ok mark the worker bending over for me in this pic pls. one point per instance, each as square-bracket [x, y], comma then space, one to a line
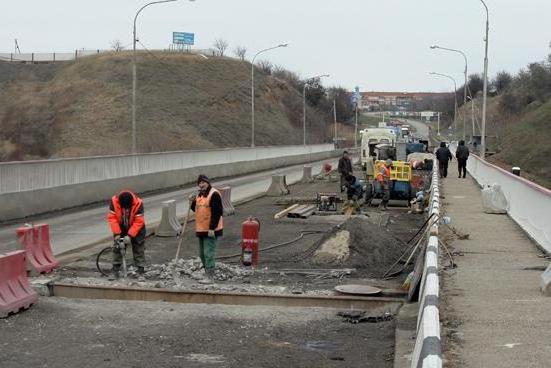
[126, 219]
[209, 223]
[383, 178]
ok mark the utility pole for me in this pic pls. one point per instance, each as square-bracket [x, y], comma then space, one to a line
[485, 89]
[335, 118]
[356, 128]
[438, 126]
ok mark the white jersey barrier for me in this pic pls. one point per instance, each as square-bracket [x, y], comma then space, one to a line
[34, 187]
[428, 347]
[529, 203]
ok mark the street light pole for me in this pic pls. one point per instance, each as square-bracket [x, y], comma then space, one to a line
[472, 117]
[134, 81]
[454, 95]
[304, 104]
[335, 118]
[465, 72]
[485, 89]
[252, 87]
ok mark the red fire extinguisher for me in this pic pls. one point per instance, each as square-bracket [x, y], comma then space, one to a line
[249, 241]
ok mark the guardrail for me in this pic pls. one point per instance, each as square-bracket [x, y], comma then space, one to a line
[32, 175]
[52, 57]
[428, 347]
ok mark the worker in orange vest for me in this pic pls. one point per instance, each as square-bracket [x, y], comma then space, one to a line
[126, 219]
[209, 223]
[383, 177]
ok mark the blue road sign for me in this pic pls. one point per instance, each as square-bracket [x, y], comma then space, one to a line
[183, 38]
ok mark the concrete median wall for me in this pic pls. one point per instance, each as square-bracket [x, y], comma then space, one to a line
[30, 188]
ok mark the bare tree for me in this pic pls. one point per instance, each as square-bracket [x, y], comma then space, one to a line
[117, 45]
[240, 52]
[265, 66]
[221, 46]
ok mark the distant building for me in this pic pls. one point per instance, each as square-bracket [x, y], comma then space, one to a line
[400, 101]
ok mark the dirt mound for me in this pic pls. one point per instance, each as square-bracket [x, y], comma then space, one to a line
[359, 244]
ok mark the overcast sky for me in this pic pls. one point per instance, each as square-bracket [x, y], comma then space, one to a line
[373, 44]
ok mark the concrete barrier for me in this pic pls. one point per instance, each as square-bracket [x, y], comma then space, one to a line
[169, 225]
[428, 346]
[278, 186]
[42, 186]
[307, 174]
[225, 193]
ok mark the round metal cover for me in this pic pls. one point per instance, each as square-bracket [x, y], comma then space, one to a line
[357, 289]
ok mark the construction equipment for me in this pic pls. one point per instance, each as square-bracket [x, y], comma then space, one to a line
[327, 201]
[105, 256]
[400, 184]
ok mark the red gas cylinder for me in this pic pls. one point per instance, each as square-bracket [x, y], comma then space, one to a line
[249, 241]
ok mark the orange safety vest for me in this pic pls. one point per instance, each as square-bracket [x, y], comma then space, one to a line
[383, 174]
[114, 217]
[203, 213]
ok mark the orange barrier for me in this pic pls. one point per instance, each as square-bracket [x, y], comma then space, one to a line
[36, 241]
[16, 292]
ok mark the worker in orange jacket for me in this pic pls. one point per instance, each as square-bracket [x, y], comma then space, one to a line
[126, 219]
[383, 177]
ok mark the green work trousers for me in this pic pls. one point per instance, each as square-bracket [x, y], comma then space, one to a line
[138, 252]
[207, 251]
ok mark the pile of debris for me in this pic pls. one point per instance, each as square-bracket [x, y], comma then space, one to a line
[359, 244]
[194, 269]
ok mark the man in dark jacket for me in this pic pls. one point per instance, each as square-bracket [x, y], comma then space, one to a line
[344, 168]
[462, 154]
[444, 156]
[209, 223]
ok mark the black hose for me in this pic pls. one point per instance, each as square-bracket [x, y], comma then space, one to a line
[98, 259]
[420, 229]
[302, 234]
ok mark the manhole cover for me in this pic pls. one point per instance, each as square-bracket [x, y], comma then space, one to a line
[357, 289]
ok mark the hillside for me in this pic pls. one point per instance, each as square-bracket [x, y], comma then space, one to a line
[184, 102]
[520, 139]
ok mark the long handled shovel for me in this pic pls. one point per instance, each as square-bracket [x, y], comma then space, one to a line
[182, 234]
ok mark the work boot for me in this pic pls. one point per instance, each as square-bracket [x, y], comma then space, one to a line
[140, 271]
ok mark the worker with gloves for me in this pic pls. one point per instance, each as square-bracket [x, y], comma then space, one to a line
[126, 219]
[209, 224]
[383, 178]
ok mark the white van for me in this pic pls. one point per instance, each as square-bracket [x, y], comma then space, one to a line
[372, 137]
